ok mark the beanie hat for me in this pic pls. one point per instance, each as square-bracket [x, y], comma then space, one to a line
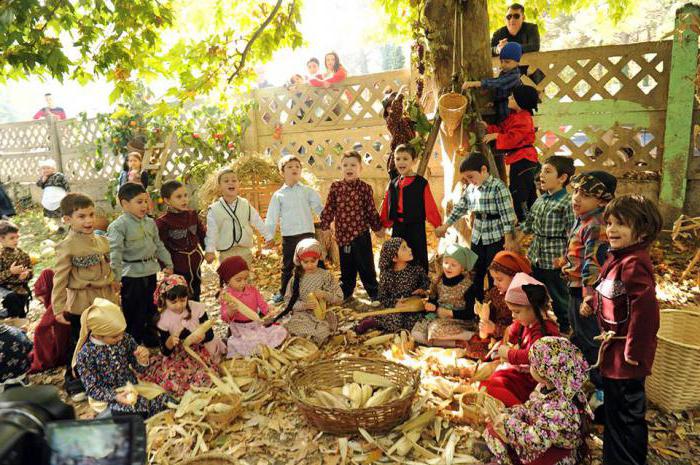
[526, 97]
[473, 162]
[48, 163]
[230, 268]
[510, 263]
[599, 184]
[462, 255]
[515, 293]
[511, 51]
[307, 248]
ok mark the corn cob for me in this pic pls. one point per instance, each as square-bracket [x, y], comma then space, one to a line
[197, 333]
[380, 397]
[372, 379]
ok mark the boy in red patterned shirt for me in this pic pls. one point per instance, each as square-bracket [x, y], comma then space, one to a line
[350, 205]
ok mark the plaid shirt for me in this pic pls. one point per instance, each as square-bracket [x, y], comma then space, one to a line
[550, 220]
[588, 248]
[491, 197]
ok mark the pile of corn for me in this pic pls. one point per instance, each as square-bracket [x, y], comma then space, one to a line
[367, 390]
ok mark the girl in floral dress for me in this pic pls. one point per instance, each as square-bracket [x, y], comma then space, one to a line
[551, 427]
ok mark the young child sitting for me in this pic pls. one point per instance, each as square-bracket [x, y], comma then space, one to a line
[451, 298]
[399, 278]
[244, 335]
[15, 360]
[628, 315]
[15, 273]
[54, 186]
[309, 278]
[408, 204]
[179, 317]
[552, 426]
[182, 233]
[532, 319]
[106, 357]
[51, 338]
[132, 170]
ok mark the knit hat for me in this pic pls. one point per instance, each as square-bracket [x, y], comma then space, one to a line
[165, 285]
[102, 318]
[462, 255]
[511, 51]
[515, 293]
[307, 248]
[43, 287]
[389, 250]
[526, 97]
[599, 184]
[48, 163]
[230, 268]
[510, 263]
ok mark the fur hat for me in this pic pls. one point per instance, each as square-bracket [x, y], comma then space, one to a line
[230, 268]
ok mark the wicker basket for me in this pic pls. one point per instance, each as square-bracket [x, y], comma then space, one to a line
[238, 367]
[211, 458]
[451, 108]
[335, 373]
[675, 381]
[225, 418]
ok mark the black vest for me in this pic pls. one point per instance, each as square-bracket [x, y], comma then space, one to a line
[413, 204]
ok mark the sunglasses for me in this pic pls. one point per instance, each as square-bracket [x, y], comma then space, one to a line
[513, 16]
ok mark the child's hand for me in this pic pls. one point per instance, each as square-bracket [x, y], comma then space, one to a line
[429, 307]
[197, 339]
[441, 230]
[422, 292]
[24, 275]
[61, 318]
[586, 310]
[322, 295]
[142, 355]
[444, 313]
[167, 271]
[631, 362]
[503, 351]
[470, 84]
[172, 342]
[209, 257]
[483, 124]
[487, 327]
[122, 398]
[16, 269]
[489, 137]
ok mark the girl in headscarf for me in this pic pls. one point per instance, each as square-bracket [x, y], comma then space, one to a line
[552, 426]
[51, 338]
[14, 355]
[106, 357]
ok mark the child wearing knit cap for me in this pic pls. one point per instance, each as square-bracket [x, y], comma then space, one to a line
[245, 336]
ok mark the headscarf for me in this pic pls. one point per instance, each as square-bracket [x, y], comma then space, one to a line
[558, 361]
[43, 287]
[599, 184]
[510, 263]
[462, 255]
[516, 293]
[389, 250]
[230, 268]
[102, 318]
[165, 285]
[307, 248]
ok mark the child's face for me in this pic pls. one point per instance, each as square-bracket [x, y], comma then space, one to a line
[179, 199]
[619, 234]
[82, 220]
[512, 104]
[536, 376]
[476, 178]
[501, 280]
[47, 171]
[10, 240]
[309, 264]
[228, 184]
[138, 206]
[134, 163]
[351, 168]
[582, 202]
[550, 181]
[451, 267]
[330, 61]
[522, 313]
[404, 163]
[177, 306]
[110, 340]
[291, 172]
[404, 254]
[239, 281]
[312, 67]
[508, 64]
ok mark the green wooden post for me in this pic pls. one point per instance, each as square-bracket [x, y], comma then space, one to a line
[679, 116]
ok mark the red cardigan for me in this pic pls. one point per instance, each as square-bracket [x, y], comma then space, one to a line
[517, 130]
[625, 302]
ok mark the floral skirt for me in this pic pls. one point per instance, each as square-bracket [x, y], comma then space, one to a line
[178, 371]
[245, 338]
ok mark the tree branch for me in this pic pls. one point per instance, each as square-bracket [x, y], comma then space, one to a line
[254, 37]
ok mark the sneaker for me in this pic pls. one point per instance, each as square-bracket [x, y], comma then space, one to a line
[75, 389]
[277, 299]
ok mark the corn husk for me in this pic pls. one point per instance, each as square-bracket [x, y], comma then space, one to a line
[319, 305]
[372, 379]
[242, 308]
[409, 305]
[198, 333]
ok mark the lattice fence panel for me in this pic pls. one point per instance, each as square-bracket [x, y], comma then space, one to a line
[27, 136]
[78, 134]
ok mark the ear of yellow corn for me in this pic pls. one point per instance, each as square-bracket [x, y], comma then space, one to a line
[372, 379]
[245, 310]
[148, 390]
[383, 339]
[381, 397]
[199, 332]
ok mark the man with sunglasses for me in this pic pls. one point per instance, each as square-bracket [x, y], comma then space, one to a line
[516, 30]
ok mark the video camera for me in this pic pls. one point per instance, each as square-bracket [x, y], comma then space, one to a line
[37, 428]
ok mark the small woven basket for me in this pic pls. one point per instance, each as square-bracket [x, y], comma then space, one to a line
[451, 108]
[238, 367]
[211, 458]
[223, 419]
[335, 373]
[675, 380]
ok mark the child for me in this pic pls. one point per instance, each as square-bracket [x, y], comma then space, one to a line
[398, 123]
[15, 273]
[135, 252]
[451, 296]
[51, 338]
[399, 277]
[627, 310]
[229, 221]
[308, 278]
[585, 254]
[528, 301]
[132, 170]
[106, 357]
[178, 318]
[244, 335]
[15, 360]
[293, 206]
[489, 200]
[182, 233]
[513, 138]
[408, 204]
[551, 427]
[350, 205]
[55, 186]
[549, 221]
[82, 273]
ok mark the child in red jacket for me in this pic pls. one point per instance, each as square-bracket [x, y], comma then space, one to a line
[628, 315]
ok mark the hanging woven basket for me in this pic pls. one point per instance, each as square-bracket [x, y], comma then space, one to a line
[451, 108]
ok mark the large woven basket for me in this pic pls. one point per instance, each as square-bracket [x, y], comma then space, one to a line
[337, 372]
[675, 381]
[451, 108]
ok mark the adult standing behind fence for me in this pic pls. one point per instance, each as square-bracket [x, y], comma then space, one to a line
[49, 111]
[516, 30]
[335, 72]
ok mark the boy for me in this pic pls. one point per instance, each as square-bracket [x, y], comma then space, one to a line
[81, 274]
[135, 250]
[549, 221]
[182, 233]
[55, 186]
[350, 205]
[293, 205]
[408, 204]
[586, 252]
[15, 273]
[488, 199]
[626, 306]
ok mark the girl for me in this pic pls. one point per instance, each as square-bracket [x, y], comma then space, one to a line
[308, 277]
[451, 298]
[244, 335]
[51, 339]
[532, 319]
[132, 170]
[551, 427]
[106, 357]
[399, 278]
[178, 318]
[335, 72]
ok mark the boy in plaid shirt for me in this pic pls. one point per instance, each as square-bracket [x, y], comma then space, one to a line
[549, 221]
[489, 200]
